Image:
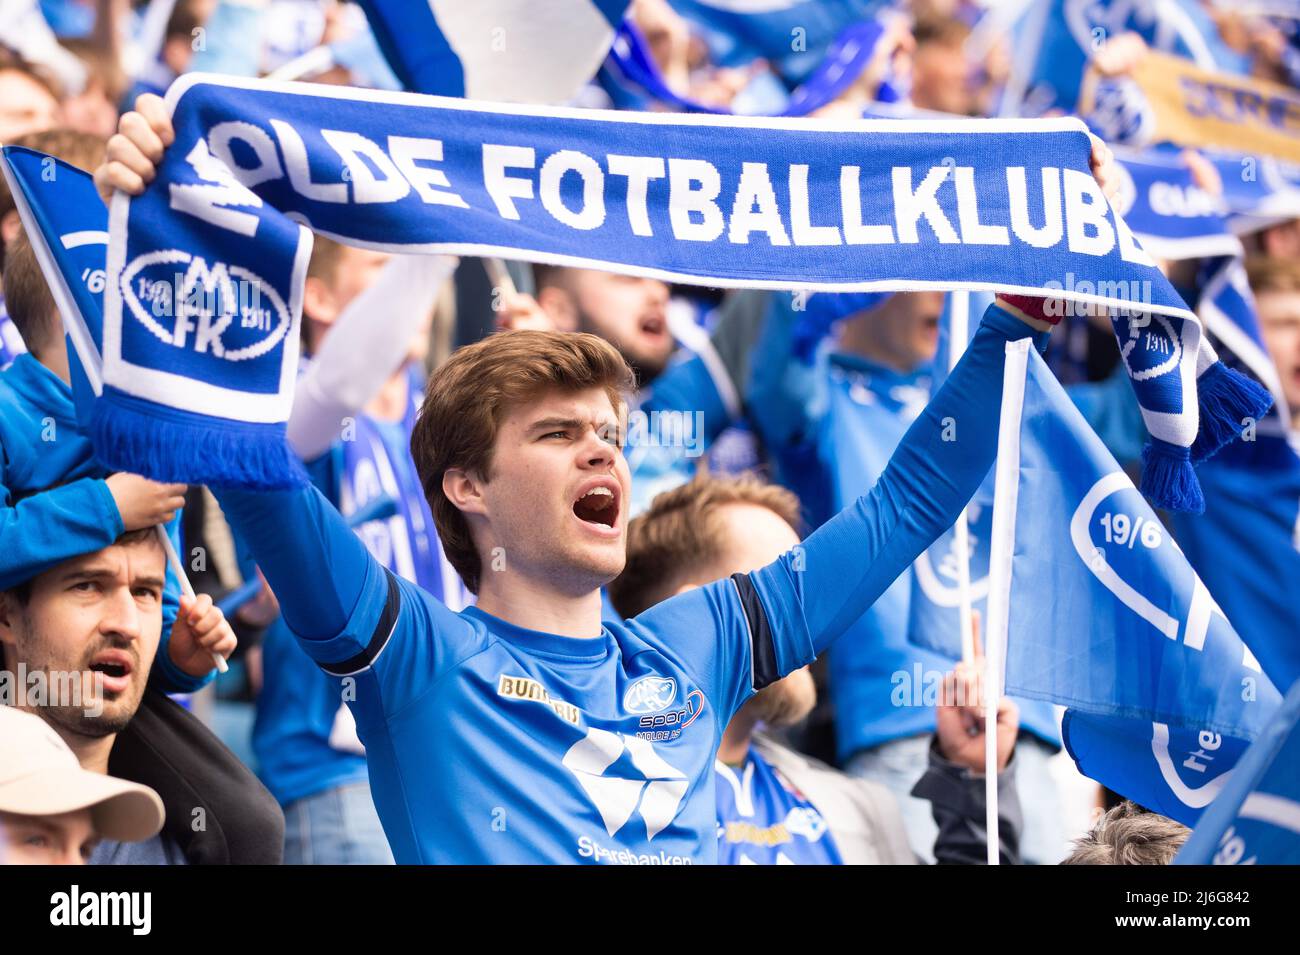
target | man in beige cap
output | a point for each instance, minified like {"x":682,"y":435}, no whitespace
{"x":52,"y":812}
{"x":78,"y":641}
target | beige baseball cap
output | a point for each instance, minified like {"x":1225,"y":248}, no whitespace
{"x":40,"y":776}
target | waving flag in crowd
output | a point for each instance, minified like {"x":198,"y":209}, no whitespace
{"x":792,"y":35}
{"x":1256,"y":819}
{"x":1103,"y":614}
{"x":507,"y":50}
{"x":1054,"y":40}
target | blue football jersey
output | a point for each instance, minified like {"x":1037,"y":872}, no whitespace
{"x":763,"y":819}
{"x":488,"y":742}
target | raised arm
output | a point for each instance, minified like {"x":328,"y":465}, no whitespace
{"x":812,"y":594}
{"x":331,"y":590}
{"x":365,"y":347}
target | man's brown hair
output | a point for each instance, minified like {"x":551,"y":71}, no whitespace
{"x":470,"y":395}
{"x":1272,"y":274}
{"x":681,"y":534}
{"x":1129,"y":835}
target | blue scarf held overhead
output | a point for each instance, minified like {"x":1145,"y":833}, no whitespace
{"x":206,"y":266}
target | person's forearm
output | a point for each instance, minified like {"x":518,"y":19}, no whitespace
{"x":781,"y":387}
{"x":365,"y":347}
{"x":844,"y":567}
{"x":53,"y":526}
{"x":318,"y":568}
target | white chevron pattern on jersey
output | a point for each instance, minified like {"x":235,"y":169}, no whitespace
{"x":659,"y":788}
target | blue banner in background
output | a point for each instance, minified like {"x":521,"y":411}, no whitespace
{"x":1172,"y":216}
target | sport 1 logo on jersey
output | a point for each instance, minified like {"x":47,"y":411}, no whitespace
{"x":646,"y":781}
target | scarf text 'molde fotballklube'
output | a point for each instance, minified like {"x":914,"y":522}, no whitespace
{"x":206,"y":267}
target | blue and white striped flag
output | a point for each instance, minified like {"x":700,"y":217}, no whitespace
{"x":504,"y":50}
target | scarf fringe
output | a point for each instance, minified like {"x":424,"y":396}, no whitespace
{"x":1168,"y":479}
{"x":130,"y":435}
{"x":1225,"y":397}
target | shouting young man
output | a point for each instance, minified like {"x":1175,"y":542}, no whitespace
{"x":512,"y":731}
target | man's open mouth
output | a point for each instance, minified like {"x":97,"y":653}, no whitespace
{"x":598,"y":505}
{"x":654,"y":325}
{"x":116,"y":667}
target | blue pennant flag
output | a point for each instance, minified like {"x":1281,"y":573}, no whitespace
{"x":1103,"y":614}
{"x":509,"y":50}
{"x":67,"y":225}
{"x":1256,"y":819}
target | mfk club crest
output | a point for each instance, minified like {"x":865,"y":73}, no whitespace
{"x":225,"y":310}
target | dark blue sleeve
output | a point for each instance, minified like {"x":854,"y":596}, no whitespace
{"x":800,"y":603}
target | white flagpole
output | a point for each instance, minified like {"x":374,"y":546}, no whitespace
{"x":958,"y":337}
{"x":312,"y":63}
{"x":84,"y":345}
{"x":1005,"y":492}
{"x":499,"y":275}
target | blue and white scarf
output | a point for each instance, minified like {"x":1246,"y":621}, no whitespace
{"x":1175,"y":219}
{"x":206,"y":267}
